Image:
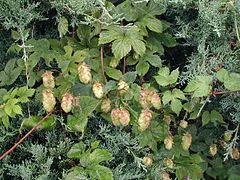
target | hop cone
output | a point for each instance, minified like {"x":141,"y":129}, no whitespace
{"x":183,"y":124}
{"x":156,"y":101}
{"x":98,"y":90}
{"x":67,"y":102}
{"x":122,"y":87}
{"x":48,"y":100}
{"x":84,"y":73}
{"x":120,"y":116}
{"x":144,"y":119}
{"x":235,"y":153}
{"x":213,"y":149}
{"x":106,"y":105}
{"x":165,"y":176}
{"x":168,"y":142}
{"x":227,"y":136}
{"x":169,"y":163}
{"x":145,"y":99}
{"x":48,"y":80}
{"x":147,"y":161}
{"x":186,"y":141}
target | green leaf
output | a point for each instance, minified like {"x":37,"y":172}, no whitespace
{"x":11,"y":107}
{"x":62,"y":26}
{"x":216,"y":117}
{"x":177,"y":93}
{"x":206,"y":118}
{"x":154,"y":60}
{"x":77,"y":173}
{"x":113,"y":73}
{"x":167,"y":97}
{"x":138,"y":46}
{"x":200,"y":87}
{"x":130,"y":77}
{"x":121,"y":47}
{"x":176,"y":106}
{"x":76,"y":150}
{"x":100,"y":155}
{"x":168,"y":40}
{"x":222,"y":75}
{"x":154,"y":24}
{"x":164,"y":77}
{"x":142,"y":68}
{"x":5,"y":121}
{"x":233,"y":82}
{"x":100,"y":172}
{"x":24,"y":93}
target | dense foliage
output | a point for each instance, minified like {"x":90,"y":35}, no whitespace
{"x":132,"y":89}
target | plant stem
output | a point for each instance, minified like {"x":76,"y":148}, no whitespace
{"x":102,"y":65}
{"x":124,"y":65}
{"x":22,"y":139}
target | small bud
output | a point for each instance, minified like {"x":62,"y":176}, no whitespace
{"x":144,"y":119}
{"x":98,"y":90}
{"x":120,"y":116}
{"x":213,"y":149}
{"x":122,"y":87}
{"x":67,"y":102}
{"x":169,"y":163}
{"x":235,"y":153}
{"x":168,"y":141}
{"x":167,"y":119}
{"x":156,"y":101}
{"x":147,"y":161}
{"x":106,"y":105}
{"x":48,"y":80}
{"x":183,"y":124}
{"x":84,"y":73}
{"x":186,"y":141}
{"x":114,"y":62}
{"x":227,"y":136}
{"x":165,"y":176}
{"x":48,"y":100}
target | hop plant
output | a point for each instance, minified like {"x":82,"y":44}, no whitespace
{"x":106,"y":105}
{"x":147,"y":161}
{"x":144,"y":119}
{"x":122,"y":87}
{"x":183,"y":124}
{"x":186,"y":141}
{"x":48,"y":80}
{"x":84,"y":73}
{"x":235,"y":153}
{"x":120,"y":116}
{"x":98,"y":90}
{"x":213,"y":149}
{"x":156,"y":101}
{"x":67,"y":102}
{"x":169,"y":163}
{"x":165,"y":176}
{"x":48,"y":100}
{"x":168,"y":142}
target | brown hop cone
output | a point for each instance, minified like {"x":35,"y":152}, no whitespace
{"x":48,"y":80}
{"x":223,"y":143}
{"x":124,"y":117}
{"x":213,"y":149}
{"x":169,"y":163}
{"x":67,"y":102}
{"x":186,"y":141}
{"x":120,"y":116}
{"x":48,"y":100}
{"x":144,"y":99}
{"x":98,"y":90}
{"x":235,"y":153}
{"x":168,"y":142}
{"x":84,"y":73}
{"x":122,"y":87}
{"x":165,"y":176}
{"x":144,"y":119}
{"x":156,"y":101}
{"x":183,"y":124}
{"x":106,"y":105}
{"x":227,"y":136}
{"x":147,"y":161}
